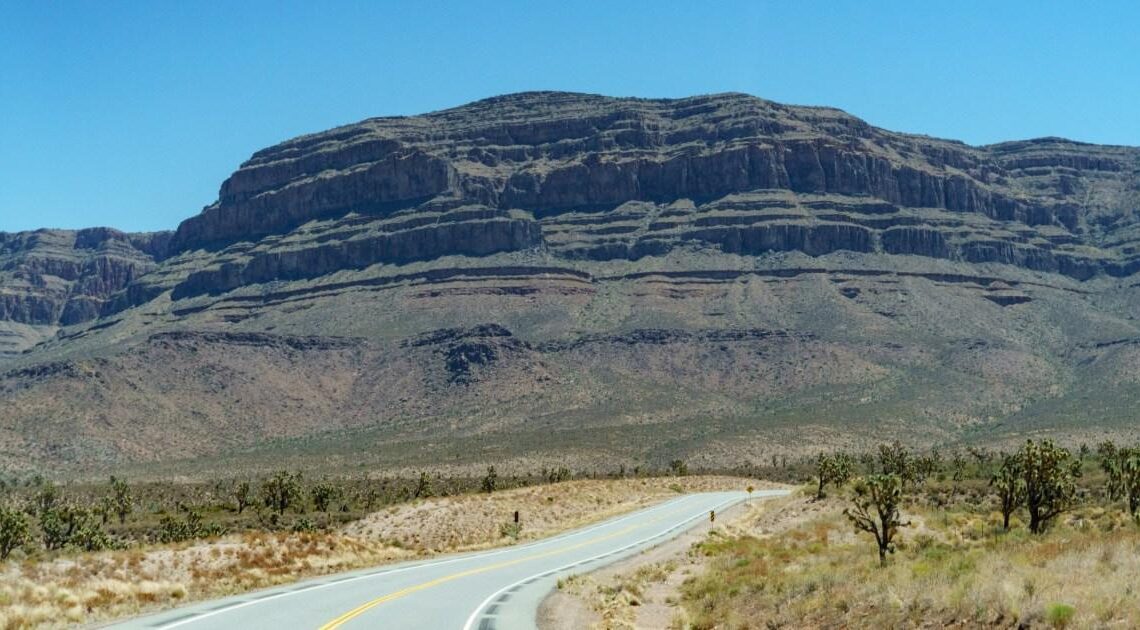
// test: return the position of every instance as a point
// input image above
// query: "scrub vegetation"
(87, 552)
(1040, 537)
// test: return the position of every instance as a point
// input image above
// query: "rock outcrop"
(594, 178)
(63, 277)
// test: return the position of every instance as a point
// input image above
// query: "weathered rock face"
(468, 231)
(609, 178)
(62, 277)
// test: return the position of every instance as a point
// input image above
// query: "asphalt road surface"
(490, 590)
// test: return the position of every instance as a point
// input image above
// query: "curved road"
(490, 590)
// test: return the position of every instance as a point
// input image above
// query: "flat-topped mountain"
(576, 277)
(550, 153)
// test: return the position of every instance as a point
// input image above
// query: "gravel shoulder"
(640, 592)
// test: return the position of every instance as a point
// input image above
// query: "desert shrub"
(173, 529)
(557, 475)
(1060, 615)
(510, 530)
(304, 525)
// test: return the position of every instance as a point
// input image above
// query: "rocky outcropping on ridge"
(50, 277)
(551, 154)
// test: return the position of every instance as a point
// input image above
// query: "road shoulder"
(640, 591)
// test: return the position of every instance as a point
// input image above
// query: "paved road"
(491, 590)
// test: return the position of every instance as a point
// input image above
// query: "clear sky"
(131, 114)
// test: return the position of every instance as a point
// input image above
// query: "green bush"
(510, 530)
(171, 529)
(1060, 615)
(304, 525)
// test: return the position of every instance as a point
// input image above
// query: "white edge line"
(386, 572)
(475, 614)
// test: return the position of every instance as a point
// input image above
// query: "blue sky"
(131, 114)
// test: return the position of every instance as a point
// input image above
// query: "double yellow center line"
(363, 608)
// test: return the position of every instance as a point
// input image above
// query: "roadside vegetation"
(1040, 537)
(88, 551)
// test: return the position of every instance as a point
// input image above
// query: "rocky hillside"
(552, 275)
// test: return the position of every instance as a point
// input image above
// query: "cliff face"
(751, 175)
(63, 277)
(703, 277)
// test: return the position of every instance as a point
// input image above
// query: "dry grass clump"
(116, 583)
(615, 599)
(951, 570)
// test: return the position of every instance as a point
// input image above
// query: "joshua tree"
(1110, 464)
(834, 469)
(105, 508)
(678, 467)
(121, 499)
(1122, 466)
(423, 487)
(243, 495)
(958, 465)
(924, 467)
(70, 524)
(371, 496)
(47, 498)
(1106, 449)
(492, 478)
(980, 455)
(13, 530)
(323, 495)
(876, 510)
(1130, 476)
(281, 491)
(1050, 474)
(895, 459)
(867, 460)
(560, 474)
(1009, 481)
